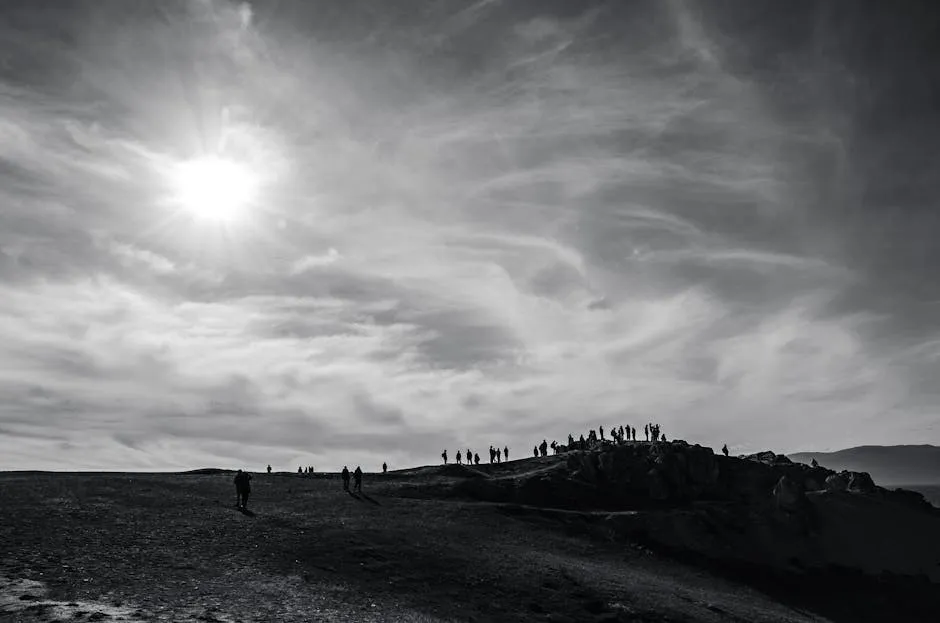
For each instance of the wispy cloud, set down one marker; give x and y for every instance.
(495, 225)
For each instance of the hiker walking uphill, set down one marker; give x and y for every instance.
(242, 489)
(345, 478)
(357, 477)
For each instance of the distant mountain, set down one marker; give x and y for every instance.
(888, 465)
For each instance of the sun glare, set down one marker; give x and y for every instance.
(214, 188)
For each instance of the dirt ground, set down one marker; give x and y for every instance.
(173, 547)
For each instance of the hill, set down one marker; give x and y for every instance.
(642, 532)
(888, 465)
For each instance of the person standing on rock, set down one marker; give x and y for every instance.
(724, 449)
(242, 489)
(357, 477)
(345, 478)
(506, 452)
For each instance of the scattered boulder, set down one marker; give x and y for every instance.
(769, 458)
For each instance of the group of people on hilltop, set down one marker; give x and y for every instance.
(617, 435)
(541, 449)
(472, 458)
(305, 471)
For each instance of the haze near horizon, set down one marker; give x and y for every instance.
(302, 232)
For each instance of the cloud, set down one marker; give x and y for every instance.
(481, 226)
(309, 262)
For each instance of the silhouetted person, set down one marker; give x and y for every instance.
(269, 469)
(535, 451)
(476, 459)
(506, 452)
(300, 470)
(384, 468)
(459, 457)
(444, 456)
(646, 431)
(600, 430)
(633, 430)
(543, 447)
(357, 477)
(345, 478)
(581, 442)
(724, 449)
(491, 454)
(242, 488)
(469, 456)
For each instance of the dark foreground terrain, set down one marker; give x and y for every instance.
(172, 547)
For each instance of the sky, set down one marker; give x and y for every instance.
(454, 224)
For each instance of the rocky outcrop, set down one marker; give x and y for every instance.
(669, 474)
(762, 509)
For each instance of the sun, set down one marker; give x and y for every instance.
(214, 188)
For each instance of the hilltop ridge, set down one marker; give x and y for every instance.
(665, 532)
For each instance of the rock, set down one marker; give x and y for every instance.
(861, 482)
(788, 495)
(656, 484)
(837, 482)
(767, 457)
(910, 499)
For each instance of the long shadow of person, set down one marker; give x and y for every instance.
(370, 499)
(246, 512)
